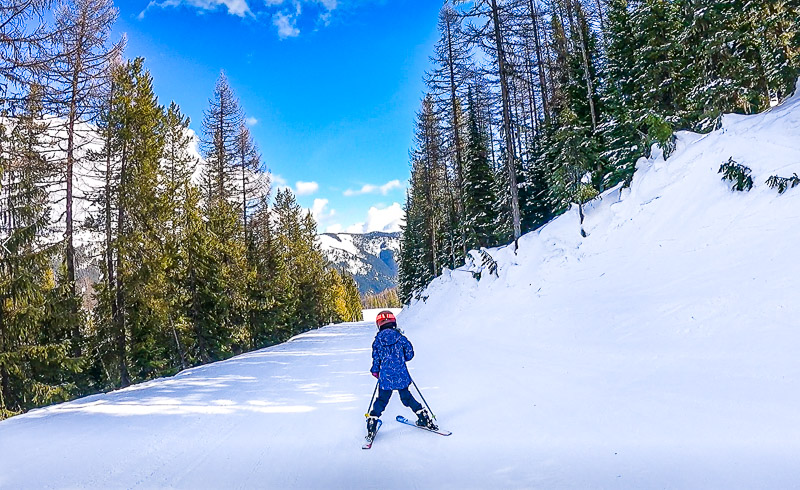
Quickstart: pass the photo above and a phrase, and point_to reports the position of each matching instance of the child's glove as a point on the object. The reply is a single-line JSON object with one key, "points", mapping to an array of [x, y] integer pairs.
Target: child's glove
{"points": [[375, 374]]}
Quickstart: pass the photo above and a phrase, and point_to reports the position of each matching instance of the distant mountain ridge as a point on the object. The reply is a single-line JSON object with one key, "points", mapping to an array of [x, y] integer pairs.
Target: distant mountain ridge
{"points": [[370, 257]]}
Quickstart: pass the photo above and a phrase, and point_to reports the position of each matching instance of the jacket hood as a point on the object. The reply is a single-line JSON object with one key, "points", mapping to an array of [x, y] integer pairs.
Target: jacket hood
{"points": [[388, 336]]}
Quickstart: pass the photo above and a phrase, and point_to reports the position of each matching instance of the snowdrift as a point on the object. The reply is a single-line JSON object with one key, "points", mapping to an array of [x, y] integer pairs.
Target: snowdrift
{"points": [[657, 352]]}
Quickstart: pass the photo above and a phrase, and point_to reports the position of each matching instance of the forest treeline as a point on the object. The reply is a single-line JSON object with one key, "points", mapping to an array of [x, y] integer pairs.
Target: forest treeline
{"points": [[387, 298], [534, 106], [197, 260]]}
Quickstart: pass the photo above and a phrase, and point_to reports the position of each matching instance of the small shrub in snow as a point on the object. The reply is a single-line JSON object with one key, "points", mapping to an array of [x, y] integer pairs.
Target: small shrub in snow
{"points": [[660, 131], [783, 183], [487, 263], [738, 174]]}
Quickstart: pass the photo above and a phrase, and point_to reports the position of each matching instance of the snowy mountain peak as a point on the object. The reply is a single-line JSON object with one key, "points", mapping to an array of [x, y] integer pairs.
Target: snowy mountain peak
{"points": [[371, 257]]}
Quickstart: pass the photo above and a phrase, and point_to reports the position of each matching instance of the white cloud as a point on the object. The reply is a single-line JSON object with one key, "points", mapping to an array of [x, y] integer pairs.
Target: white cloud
{"points": [[379, 218], [306, 188], [251, 121], [235, 7], [384, 219], [322, 215], [278, 181], [284, 14], [375, 189], [286, 25]]}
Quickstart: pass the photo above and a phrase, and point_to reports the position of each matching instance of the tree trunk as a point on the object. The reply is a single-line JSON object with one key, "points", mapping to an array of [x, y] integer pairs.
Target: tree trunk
{"points": [[119, 295], [509, 138], [71, 120], [177, 343], [457, 136], [110, 279], [5, 388], [578, 24], [540, 64]]}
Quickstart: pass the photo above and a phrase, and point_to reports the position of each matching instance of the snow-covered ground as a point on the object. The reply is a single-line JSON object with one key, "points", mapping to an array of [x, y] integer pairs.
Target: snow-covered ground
{"points": [[658, 352]]}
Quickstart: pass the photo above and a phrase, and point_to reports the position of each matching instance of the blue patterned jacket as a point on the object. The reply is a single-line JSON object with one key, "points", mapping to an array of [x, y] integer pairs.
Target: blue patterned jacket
{"points": [[390, 351]]}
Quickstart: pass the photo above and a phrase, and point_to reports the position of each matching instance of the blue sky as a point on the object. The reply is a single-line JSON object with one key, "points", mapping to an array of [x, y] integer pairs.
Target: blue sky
{"points": [[331, 87]]}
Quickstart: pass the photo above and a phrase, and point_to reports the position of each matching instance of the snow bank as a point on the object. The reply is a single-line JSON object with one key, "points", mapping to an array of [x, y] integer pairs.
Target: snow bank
{"points": [[658, 352]]}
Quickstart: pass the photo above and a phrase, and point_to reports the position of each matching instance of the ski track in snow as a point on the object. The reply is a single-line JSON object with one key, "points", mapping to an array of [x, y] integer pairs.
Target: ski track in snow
{"points": [[658, 352]]}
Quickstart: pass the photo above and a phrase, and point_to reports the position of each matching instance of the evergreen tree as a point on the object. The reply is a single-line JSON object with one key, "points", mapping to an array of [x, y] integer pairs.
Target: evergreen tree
{"points": [[446, 83], [222, 123], [660, 61], [622, 137], [207, 302], [177, 169], [414, 273], [142, 341], [35, 363], [385, 299], [353, 311], [272, 294], [572, 158], [296, 236], [82, 30], [479, 184]]}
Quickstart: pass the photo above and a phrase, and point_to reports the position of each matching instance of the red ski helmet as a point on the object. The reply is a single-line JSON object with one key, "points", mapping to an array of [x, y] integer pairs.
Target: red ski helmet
{"points": [[385, 319]]}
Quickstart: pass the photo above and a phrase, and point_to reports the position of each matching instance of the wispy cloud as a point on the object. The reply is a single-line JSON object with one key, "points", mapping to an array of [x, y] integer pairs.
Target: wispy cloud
{"points": [[374, 189], [251, 121], [239, 8], [284, 15], [305, 188], [279, 183], [286, 24]]}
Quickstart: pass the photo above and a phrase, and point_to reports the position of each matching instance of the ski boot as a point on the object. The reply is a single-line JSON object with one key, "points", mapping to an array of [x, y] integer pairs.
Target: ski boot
{"points": [[424, 420], [372, 426]]}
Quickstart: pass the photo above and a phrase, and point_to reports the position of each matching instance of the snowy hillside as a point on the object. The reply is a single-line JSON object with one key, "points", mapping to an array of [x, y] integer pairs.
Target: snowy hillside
{"points": [[658, 352], [371, 258]]}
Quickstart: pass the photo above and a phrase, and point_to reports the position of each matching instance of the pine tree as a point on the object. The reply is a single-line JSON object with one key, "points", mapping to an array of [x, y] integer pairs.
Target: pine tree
{"points": [[222, 123], [82, 30], [414, 272], [660, 60], [207, 303], [446, 84], [35, 363], [496, 33], [479, 183], [226, 287], [353, 299], [572, 159], [177, 169], [623, 139], [141, 340], [296, 235]]}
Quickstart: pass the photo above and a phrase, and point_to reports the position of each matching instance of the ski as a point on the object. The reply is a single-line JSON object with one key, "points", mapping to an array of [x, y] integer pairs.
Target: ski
{"points": [[404, 420], [368, 440]]}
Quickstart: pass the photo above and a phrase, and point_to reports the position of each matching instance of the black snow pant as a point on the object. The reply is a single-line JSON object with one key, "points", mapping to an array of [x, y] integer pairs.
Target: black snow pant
{"points": [[383, 399]]}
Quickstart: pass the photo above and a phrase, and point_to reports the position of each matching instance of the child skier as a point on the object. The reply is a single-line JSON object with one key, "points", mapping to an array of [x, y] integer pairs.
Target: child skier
{"points": [[390, 351]]}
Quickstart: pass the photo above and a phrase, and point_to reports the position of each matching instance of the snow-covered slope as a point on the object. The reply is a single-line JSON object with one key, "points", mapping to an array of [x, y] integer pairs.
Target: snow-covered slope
{"points": [[658, 352], [371, 257]]}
